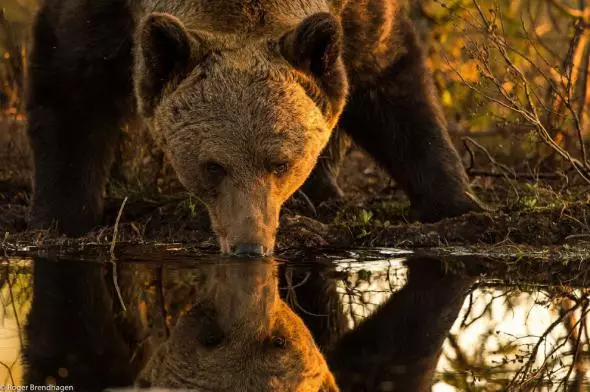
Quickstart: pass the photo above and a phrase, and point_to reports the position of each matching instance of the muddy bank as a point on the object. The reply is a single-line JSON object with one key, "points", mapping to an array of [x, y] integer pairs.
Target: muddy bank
{"points": [[542, 227], [363, 223], [374, 213]]}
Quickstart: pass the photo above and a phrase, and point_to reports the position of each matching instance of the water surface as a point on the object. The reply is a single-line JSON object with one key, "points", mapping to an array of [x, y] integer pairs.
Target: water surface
{"points": [[379, 317]]}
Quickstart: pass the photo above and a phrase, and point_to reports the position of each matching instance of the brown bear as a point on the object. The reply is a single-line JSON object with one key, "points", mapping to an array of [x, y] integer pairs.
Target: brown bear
{"points": [[244, 96]]}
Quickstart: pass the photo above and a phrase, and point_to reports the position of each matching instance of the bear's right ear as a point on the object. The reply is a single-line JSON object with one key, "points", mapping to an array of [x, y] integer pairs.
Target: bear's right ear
{"points": [[315, 48], [166, 55], [315, 45]]}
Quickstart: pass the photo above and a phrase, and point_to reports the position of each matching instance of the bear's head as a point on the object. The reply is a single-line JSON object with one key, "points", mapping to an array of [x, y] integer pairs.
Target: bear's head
{"points": [[242, 121], [235, 334]]}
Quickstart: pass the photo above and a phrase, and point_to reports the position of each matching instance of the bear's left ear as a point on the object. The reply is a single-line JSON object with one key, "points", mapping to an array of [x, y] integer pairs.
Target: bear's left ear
{"points": [[314, 46], [166, 54]]}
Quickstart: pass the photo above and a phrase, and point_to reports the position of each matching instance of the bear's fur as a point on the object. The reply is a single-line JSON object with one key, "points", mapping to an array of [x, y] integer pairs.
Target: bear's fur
{"points": [[243, 96]]}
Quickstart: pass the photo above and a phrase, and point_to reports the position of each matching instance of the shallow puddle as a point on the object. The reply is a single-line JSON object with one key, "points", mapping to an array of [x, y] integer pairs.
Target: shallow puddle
{"points": [[379, 317]]}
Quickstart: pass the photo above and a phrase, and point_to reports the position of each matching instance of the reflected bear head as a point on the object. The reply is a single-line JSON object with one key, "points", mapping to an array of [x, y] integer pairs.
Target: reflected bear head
{"points": [[236, 334]]}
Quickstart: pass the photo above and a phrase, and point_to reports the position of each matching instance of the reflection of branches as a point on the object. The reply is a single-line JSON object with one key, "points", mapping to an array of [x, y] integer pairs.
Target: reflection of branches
{"points": [[291, 296], [363, 291], [13, 305], [9, 371], [485, 311], [524, 375], [576, 342], [527, 361]]}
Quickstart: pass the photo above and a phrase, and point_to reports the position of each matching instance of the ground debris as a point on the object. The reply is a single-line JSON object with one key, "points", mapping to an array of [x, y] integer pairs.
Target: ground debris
{"points": [[374, 213]]}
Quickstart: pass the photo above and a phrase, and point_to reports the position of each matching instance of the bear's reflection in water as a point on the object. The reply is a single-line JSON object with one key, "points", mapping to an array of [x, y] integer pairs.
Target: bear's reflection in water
{"points": [[237, 334], [224, 326]]}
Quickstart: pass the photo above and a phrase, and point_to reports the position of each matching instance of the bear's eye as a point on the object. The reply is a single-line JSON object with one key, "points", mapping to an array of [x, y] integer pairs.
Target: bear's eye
{"points": [[279, 341], [214, 172], [280, 169]]}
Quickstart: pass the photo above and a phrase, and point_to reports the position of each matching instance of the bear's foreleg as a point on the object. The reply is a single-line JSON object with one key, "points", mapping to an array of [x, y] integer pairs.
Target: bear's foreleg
{"points": [[78, 88], [395, 116]]}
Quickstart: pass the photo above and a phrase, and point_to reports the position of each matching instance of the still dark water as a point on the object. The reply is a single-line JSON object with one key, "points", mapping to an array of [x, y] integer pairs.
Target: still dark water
{"points": [[366, 320]]}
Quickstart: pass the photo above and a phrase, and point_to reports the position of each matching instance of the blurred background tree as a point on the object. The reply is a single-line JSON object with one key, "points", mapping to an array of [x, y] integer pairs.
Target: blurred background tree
{"points": [[15, 21]]}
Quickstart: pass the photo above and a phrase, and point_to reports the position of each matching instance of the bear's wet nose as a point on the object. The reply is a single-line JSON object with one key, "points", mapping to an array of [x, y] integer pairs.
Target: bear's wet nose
{"points": [[248, 250]]}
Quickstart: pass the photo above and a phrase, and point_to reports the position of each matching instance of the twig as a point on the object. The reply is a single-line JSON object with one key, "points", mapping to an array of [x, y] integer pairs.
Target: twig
{"points": [[575, 338], [533, 355], [517, 176], [162, 299], [495, 163], [308, 202], [116, 229], [577, 237], [9, 370], [114, 259], [13, 304]]}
